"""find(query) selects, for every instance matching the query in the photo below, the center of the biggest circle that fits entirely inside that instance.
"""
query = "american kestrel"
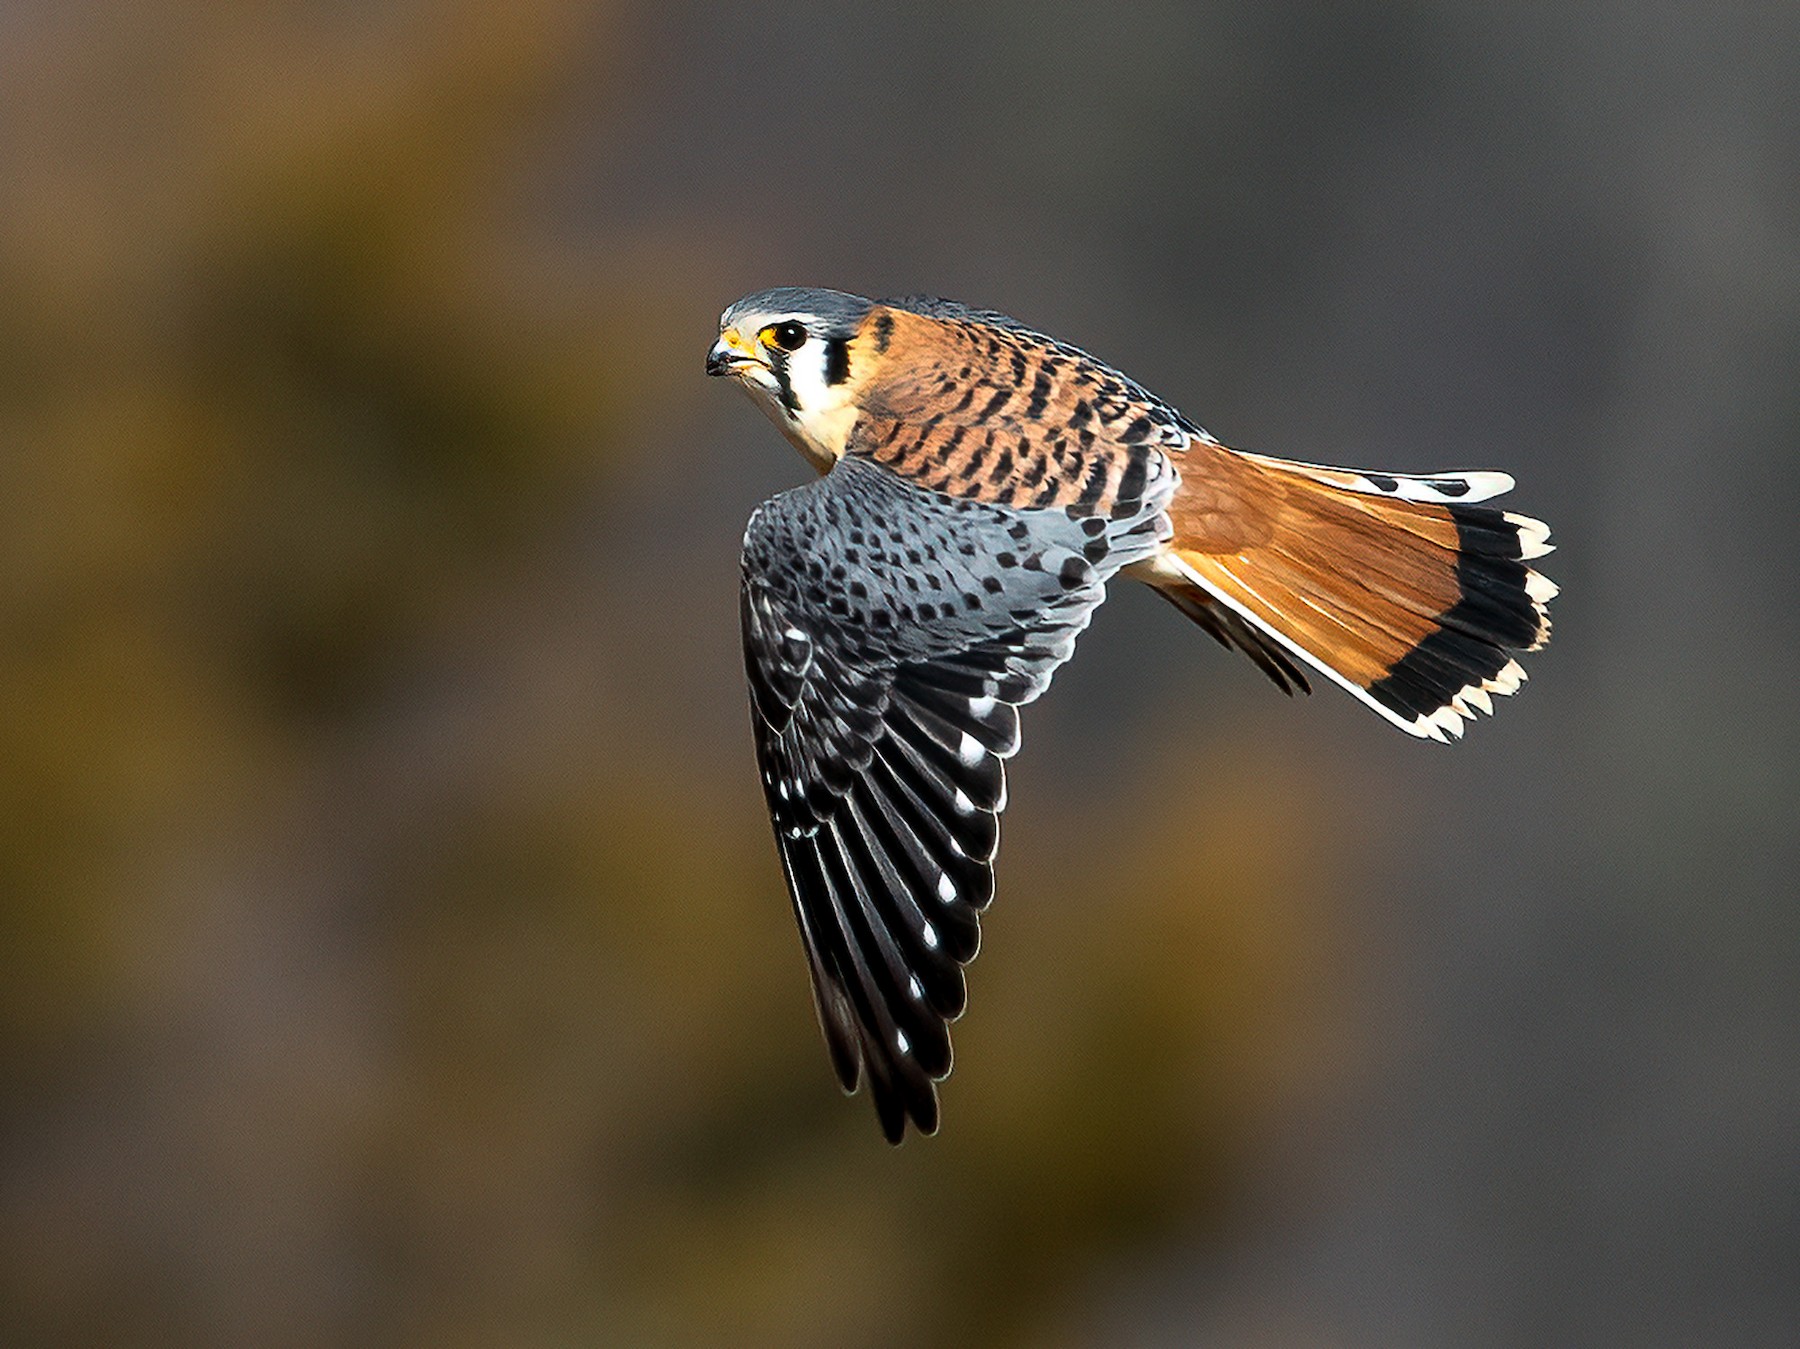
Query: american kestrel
(981, 483)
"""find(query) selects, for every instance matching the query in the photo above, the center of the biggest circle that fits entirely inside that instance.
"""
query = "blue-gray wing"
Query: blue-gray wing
(890, 636)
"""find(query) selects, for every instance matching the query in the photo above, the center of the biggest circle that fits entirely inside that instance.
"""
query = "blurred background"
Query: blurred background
(394, 949)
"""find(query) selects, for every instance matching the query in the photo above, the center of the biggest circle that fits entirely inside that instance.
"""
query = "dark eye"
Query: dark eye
(789, 336)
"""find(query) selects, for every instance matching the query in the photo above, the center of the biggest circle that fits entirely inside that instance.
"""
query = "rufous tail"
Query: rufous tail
(1400, 588)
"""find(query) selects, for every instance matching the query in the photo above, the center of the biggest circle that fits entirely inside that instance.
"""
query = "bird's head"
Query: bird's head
(793, 350)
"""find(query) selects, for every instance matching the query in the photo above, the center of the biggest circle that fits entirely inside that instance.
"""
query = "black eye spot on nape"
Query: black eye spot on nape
(789, 336)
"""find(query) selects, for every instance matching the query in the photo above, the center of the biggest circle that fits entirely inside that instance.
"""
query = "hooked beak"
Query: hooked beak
(730, 354)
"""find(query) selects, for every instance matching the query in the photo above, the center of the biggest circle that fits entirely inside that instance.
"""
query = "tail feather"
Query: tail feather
(1462, 486)
(1397, 588)
(1230, 630)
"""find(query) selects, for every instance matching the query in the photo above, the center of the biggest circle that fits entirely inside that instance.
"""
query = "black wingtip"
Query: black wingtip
(921, 1111)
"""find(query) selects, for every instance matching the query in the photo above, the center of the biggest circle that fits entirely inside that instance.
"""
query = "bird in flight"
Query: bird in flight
(981, 483)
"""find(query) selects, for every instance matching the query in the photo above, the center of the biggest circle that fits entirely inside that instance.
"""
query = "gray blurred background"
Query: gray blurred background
(395, 951)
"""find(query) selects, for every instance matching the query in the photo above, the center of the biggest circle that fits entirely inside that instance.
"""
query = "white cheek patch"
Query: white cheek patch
(822, 415)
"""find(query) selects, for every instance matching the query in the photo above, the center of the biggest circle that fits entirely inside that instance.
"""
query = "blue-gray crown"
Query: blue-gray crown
(828, 313)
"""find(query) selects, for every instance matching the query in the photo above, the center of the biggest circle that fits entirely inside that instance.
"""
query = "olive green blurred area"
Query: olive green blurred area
(395, 952)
